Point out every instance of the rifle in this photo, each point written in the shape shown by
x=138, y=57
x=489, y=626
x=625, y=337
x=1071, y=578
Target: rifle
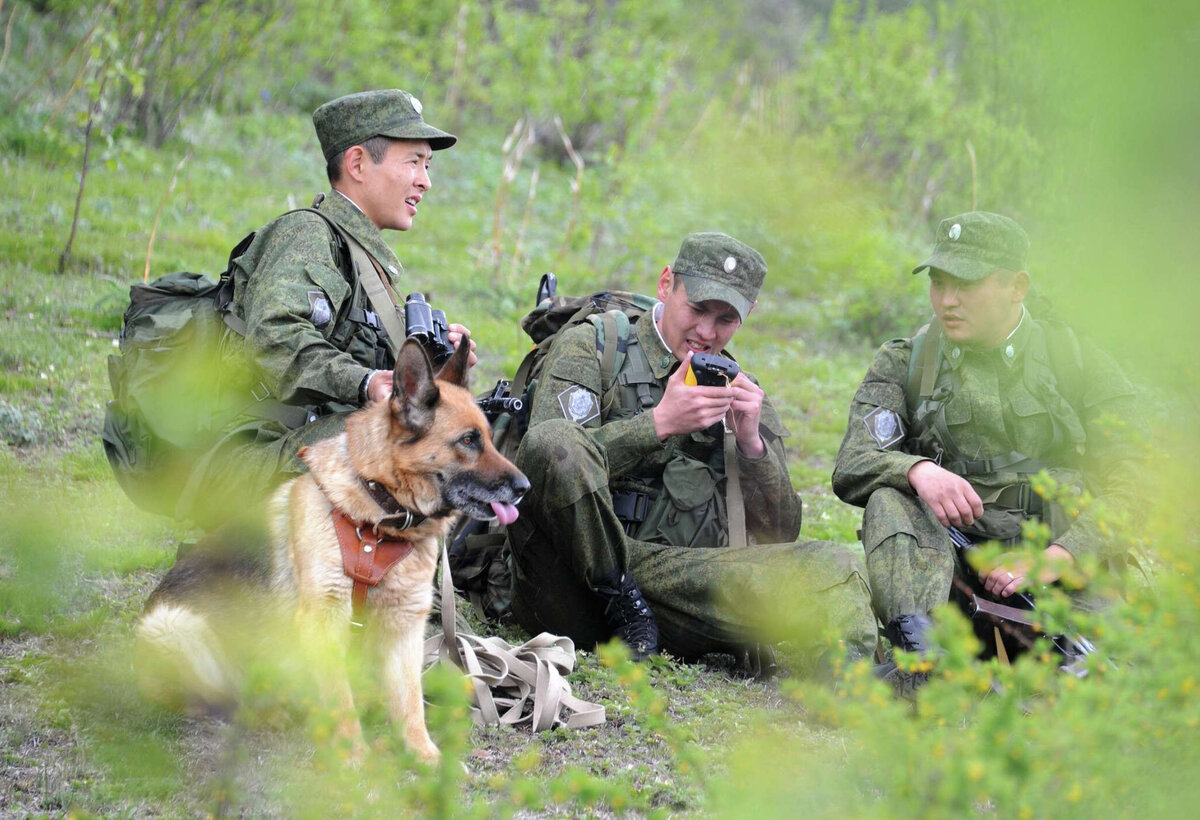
x=499, y=402
x=1013, y=622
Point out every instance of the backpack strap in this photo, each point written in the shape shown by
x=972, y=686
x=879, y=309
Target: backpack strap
x=616, y=345
x=368, y=274
x=923, y=364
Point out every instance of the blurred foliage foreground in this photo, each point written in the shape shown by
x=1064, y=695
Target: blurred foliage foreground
x=981, y=737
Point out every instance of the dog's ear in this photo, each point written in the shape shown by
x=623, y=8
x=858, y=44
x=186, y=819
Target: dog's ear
x=455, y=368
x=414, y=393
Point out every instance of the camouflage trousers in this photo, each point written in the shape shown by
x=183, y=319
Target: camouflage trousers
x=911, y=561
x=242, y=469
x=568, y=540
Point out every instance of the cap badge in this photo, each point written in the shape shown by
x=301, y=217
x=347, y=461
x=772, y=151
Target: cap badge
x=955, y=229
x=730, y=264
x=416, y=104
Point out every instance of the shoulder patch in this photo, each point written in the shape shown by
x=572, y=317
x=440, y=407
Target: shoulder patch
x=884, y=426
x=579, y=404
x=319, y=309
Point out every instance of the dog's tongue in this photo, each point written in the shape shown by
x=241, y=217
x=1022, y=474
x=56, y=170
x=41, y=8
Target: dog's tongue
x=505, y=513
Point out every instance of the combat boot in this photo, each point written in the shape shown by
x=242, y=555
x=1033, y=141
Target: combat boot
x=910, y=633
x=629, y=617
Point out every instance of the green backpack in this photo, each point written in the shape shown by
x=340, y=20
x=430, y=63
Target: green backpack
x=172, y=392
x=480, y=562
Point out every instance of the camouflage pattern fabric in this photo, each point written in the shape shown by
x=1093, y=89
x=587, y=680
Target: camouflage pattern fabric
x=994, y=402
x=291, y=291
x=569, y=539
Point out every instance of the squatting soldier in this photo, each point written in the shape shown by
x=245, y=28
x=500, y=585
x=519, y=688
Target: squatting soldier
x=319, y=346
x=947, y=427
x=626, y=530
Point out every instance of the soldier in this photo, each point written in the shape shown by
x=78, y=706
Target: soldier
x=947, y=428
x=317, y=346
x=626, y=530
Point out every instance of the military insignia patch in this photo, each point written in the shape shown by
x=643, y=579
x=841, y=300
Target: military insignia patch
x=579, y=404
x=885, y=427
x=319, y=309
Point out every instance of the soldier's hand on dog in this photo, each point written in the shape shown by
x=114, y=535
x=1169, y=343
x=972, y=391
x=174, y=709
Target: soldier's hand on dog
x=687, y=408
x=951, y=497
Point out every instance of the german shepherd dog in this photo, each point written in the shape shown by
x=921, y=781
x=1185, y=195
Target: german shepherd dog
x=426, y=450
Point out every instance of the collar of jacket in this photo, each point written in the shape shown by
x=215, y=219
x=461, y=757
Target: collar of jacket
x=347, y=214
x=1010, y=351
x=662, y=361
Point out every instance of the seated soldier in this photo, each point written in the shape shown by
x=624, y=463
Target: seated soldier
x=627, y=529
x=949, y=435
x=317, y=344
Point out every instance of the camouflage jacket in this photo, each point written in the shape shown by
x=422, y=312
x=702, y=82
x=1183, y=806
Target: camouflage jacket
x=998, y=402
x=290, y=289
x=615, y=421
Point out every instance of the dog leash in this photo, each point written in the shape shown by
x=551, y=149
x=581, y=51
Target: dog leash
x=513, y=685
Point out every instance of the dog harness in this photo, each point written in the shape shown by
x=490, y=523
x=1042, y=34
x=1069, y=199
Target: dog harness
x=366, y=557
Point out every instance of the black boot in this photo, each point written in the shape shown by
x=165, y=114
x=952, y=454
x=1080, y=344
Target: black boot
x=629, y=617
x=910, y=633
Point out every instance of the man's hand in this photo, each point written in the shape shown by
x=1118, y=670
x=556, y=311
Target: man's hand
x=951, y=497
x=686, y=409
x=744, y=414
x=455, y=333
x=379, y=386
x=1012, y=570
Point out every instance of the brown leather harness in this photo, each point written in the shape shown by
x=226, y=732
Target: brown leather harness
x=366, y=554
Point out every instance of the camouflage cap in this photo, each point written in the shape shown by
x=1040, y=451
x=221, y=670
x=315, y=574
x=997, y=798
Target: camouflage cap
x=717, y=266
x=355, y=118
x=975, y=244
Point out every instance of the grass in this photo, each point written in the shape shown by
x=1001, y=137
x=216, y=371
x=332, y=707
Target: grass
x=78, y=558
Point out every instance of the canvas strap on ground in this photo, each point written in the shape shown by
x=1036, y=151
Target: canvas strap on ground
x=513, y=685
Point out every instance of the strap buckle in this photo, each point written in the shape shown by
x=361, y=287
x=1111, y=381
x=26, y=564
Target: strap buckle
x=631, y=508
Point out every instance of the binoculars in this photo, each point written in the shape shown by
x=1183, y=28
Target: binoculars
x=427, y=326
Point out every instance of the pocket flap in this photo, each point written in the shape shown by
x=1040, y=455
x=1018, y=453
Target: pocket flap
x=688, y=482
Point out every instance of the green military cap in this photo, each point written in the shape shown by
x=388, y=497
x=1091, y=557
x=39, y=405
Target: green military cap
x=717, y=266
x=355, y=118
x=975, y=244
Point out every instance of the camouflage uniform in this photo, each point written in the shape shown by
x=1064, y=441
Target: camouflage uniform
x=290, y=289
x=569, y=538
x=311, y=336
x=1042, y=399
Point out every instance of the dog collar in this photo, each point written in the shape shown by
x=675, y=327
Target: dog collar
x=395, y=516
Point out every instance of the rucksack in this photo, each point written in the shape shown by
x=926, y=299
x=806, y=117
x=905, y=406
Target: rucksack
x=165, y=411
x=480, y=562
